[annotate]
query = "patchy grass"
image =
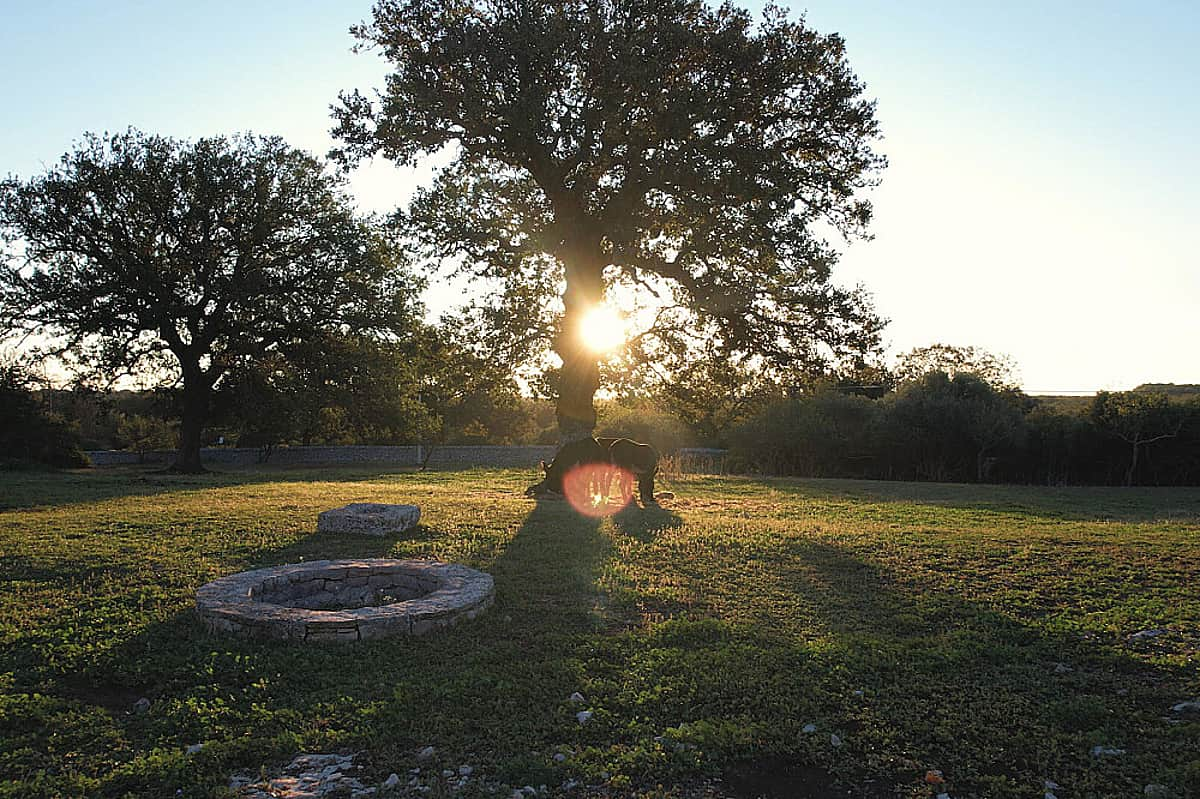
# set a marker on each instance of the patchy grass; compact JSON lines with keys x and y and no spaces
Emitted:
{"x":982,"y":631}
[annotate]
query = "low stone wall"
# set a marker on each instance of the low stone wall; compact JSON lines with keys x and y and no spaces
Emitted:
{"x":448,"y":456}
{"x":686,"y":461}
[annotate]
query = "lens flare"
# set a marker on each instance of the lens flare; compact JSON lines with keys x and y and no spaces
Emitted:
{"x":589,"y":488}
{"x":602,"y":329}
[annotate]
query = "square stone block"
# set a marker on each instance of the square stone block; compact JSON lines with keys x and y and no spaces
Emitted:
{"x":369,"y":518}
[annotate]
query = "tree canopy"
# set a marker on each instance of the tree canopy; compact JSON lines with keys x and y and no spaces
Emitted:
{"x":182,"y":259}
{"x":667,"y":147}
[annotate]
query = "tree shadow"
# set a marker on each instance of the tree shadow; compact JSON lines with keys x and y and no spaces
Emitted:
{"x":644,"y":523}
{"x":1051,"y":503}
{"x":948,"y":680}
{"x":256,"y":702}
{"x":979,"y":693}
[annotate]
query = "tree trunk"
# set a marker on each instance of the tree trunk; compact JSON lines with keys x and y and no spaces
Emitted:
{"x":1133,"y":462}
{"x":580,"y":375}
{"x":195,"y":411}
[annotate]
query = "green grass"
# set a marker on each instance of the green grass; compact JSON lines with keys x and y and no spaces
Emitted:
{"x":704,"y":635}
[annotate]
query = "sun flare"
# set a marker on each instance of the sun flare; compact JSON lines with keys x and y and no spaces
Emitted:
{"x":602,"y":329}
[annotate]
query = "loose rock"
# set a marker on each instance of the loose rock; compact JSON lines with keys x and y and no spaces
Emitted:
{"x":1143,"y":635}
{"x":465,"y":771}
{"x":1187,"y":707}
{"x":141,"y":706}
{"x":1157,"y":791}
{"x":1106,"y":751}
{"x":835,"y":740}
{"x":392,"y":781}
{"x":308,"y":776}
{"x":426,"y":753}
{"x":809,"y":728}
{"x":584,"y":716}
{"x":576,"y":698}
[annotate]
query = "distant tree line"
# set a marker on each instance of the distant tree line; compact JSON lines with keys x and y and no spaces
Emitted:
{"x":942,"y":425}
{"x":963,"y":429}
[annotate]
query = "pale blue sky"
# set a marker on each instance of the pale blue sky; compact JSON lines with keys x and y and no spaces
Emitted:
{"x":1042,"y":198}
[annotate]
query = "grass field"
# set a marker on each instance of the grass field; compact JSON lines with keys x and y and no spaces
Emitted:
{"x":982,"y":631}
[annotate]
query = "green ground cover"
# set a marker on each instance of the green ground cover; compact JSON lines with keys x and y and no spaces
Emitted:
{"x":979,"y":630}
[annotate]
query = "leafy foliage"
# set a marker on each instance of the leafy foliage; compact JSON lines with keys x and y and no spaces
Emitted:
{"x":145,"y":253}
{"x":28,"y":432}
{"x":998,"y":370}
{"x":672,"y":148}
{"x":961,"y":428}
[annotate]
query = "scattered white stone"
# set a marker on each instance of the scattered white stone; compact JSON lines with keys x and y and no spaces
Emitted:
{"x":391,"y":782}
{"x":583,"y":716}
{"x":858,"y":693}
{"x":835,"y":740}
{"x":1157,"y":791}
{"x":465,"y":771}
{"x":570,"y":785}
{"x":306,"y":777}
{"x":809,"y":728}
{"x":516,"y":794}
{"x":369,"y":518}
{"x":943,"y":796}
{"x":1143,"y":635}
{"x":1062,"y":668}
{"x":576,"y":698}
{"x":1106,"y":751}
{"x":560,"y":757}
{"x":1187,"y":707}
{"x":192,"y":749}
{"x":447,"y":772}
{"x":1049,"y":795}
{"x":1051,"y":785}
{"x":426,"y":753}
{"x":142,"y":705}
{"x":529,"y":790}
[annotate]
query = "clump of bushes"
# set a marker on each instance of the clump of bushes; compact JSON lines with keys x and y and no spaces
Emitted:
{"x":962,"y":428}
{"x":29,"y":434}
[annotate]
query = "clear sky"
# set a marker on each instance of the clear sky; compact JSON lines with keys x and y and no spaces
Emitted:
{"x":1043,"y":197}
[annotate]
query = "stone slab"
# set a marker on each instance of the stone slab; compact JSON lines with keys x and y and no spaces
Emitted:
{"x":369,"y":518}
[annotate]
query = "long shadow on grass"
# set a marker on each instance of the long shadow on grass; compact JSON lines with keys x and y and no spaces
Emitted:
{"x":492,"y":689}
{"x":1069,"y":503}
{"x":27,"y":491}
{"x":933,"y":680}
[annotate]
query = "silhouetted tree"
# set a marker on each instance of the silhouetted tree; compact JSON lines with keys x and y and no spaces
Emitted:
{"x":667,"y":146}
{"x":185,"y":258}
{"x":998,"y":370}
{"x":29,"y":433}
{"x":1139,"y":419}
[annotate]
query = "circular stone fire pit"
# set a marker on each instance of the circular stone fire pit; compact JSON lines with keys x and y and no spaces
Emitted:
{"x":344,"y":600}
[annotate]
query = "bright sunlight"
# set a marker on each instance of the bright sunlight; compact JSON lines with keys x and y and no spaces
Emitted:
{"x":602,"y":329}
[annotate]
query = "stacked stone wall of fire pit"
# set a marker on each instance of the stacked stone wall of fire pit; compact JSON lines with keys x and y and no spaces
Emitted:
{"x":344,"y":600}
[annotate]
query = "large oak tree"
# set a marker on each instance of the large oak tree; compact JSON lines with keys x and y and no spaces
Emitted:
{"x":183,"y":259}
{"x":665,"y":145}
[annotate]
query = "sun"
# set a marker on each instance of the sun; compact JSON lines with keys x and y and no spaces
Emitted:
{"x":602,"y":329}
